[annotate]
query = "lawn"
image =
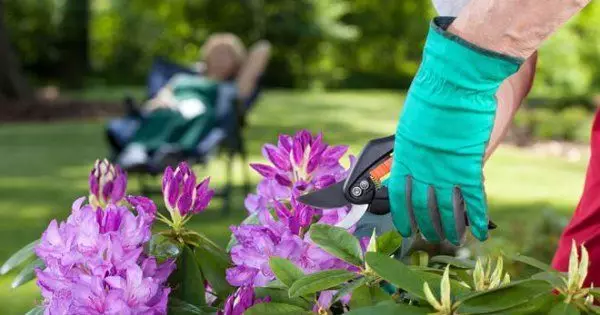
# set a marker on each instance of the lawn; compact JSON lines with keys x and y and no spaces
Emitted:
{"x":43,"y":168}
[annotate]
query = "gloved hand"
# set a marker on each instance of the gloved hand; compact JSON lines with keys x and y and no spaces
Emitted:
{"x":441,"y":138}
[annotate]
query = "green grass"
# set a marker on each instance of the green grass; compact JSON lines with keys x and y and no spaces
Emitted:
{"x":43,"y":168}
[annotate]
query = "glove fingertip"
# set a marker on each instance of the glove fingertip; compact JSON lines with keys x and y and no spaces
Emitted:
{"x":453,"y":241}
{"x":403,"y":226}
{"x":480,"y":234}
{"x":477,"y":213}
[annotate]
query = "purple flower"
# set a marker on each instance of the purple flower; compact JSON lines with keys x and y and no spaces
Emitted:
{"x":256,"y":244}
{"x":141,"y":294}
{"x":108,"y":184}
{"x":241,"y":300}
{"x":152,"y":269}
{"x":298,"y":217}
{"x":324,"y":301}
{"x":268,"y":191}
{"x":144,"y":206}
{"x":181,"y":193}
{"x":94,"y":262}
{"x":299,"y":164}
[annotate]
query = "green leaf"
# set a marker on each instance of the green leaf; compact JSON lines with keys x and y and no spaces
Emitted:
{"x":162,"y":248}
{"x":552,"y":277}
{"x":397,"y":273}
{"x":38,"y":310}
{"x":540,"y":304}
{"x":27,"y":274}
{"x":338,"y":242}
{"x":213,"y":268}
{"x":390,"y":308}
{"x":595,"y":309}
{"x":453,"y":261}
{"x":434,"y":280}
{"x":179,"y":307}
{"x":320,"y":281}
{"x":276,"y":284}
{"x":187,"y":281}
{"x":19,"y":257}
{"x":389,"y":242}
{"x":531,"y":262}
{"x":285,"y":270}
{"x":366,"y":295}
{"x":512,"y":295}
{"x":200,"y":240}
{"x":275,"y":309}
{"x":419,"y":258}
{"x":348,"y":288}
{"x":361,"y":297}
{"x":464,"y":276}
{"x":564,"y":309}
{"x":282,"y":296}
{"x":595,"y":292}
{"x":250,"y":220}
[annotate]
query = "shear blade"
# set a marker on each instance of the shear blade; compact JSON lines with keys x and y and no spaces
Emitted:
{"x":326,"y":198}
{"x":355,"y":214}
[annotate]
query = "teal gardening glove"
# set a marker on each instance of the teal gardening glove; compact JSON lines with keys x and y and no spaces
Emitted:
{"x":441,"y":138}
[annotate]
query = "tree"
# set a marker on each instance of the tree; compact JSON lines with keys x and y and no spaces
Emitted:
{"x":13,"y":85}
{"x":74,"y":50}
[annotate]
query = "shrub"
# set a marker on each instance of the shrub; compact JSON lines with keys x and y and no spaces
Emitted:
{"x":285,"y":258}
{"x":569,"y":124}
{"x":571,"y":121}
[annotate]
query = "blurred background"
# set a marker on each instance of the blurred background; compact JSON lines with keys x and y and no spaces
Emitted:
{"x":337,"y":66}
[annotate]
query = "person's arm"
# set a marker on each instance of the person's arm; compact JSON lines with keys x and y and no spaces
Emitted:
{"x":164,"y":98}
{"x":255,"y":65}
{"x":449,"y":113}
{"x":510,"y":95}
{"x":513,"y":27}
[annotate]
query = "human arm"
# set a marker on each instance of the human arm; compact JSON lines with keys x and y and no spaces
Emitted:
{"x":255,"y":65}
{"x":510,"y":96}
{"x":450,"y":112}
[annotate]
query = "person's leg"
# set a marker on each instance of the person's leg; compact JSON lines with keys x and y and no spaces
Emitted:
{"x":188,"y":135}
{"x":584,"y":227}
{"x":153,"y":132}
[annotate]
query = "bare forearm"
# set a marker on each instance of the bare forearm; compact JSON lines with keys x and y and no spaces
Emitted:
{"x":513,"y":27}
{"x":510,"y":96}
{"x":255,"y":65}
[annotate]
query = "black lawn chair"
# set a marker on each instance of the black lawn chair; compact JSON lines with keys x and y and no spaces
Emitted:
{"x":119,"y":131}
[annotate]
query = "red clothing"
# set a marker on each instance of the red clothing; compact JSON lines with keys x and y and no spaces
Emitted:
{"x":585,"y":224}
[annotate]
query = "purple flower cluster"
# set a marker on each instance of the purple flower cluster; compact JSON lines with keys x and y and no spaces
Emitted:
{"x":256,"y":244}
{"x":94,"y":261}
{"x":108,"y":184}
{"x":299,"y":164}
{"x":95,"y":265}
{"x":241,"y":300}
{"x":182,"y":195}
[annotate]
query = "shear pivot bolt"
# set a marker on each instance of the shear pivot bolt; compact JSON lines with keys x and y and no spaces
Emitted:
{"x":356,"y":191}
{"x":364,"y":184}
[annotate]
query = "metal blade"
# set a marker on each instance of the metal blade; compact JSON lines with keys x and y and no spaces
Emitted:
{"x":326,"y":198}
{"x":356,"y":212}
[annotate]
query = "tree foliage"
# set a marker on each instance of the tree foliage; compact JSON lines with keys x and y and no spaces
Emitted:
{"x":324,"y":43}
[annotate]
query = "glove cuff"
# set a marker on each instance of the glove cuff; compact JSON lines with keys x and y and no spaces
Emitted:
{"x":463,"y":64}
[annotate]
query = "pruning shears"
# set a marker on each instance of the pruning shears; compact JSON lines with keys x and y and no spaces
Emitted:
{"x":364,"y":191}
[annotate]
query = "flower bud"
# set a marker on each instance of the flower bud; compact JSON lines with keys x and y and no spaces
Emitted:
{"x":181,"y":194}
{"x":108,"y":184}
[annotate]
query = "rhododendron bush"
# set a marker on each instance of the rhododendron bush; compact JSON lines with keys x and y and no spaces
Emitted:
{"x":121,"y":254}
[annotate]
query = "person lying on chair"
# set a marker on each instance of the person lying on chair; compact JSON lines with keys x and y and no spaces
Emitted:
{"x":185,"y":112}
